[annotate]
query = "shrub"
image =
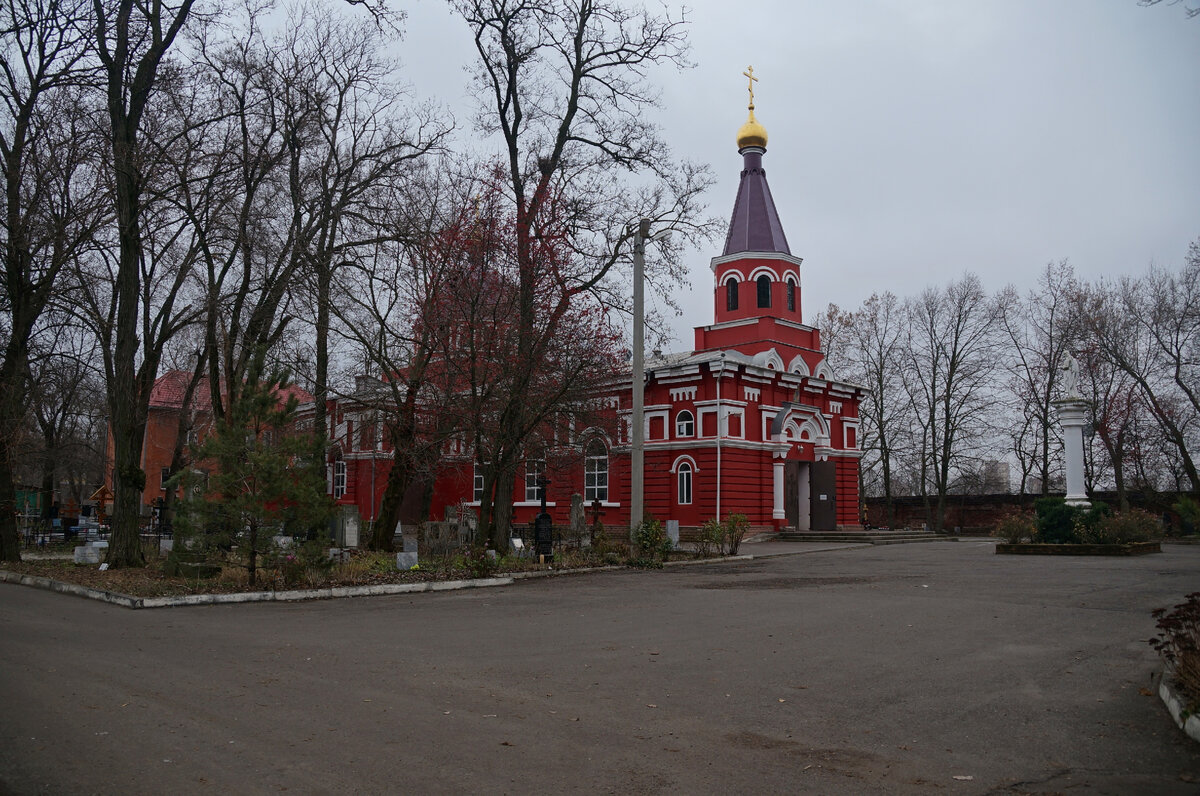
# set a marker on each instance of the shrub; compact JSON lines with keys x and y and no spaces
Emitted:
{"x":1015,"y":526}
{"x":1060,"y":523}
{"x":1134,"y":525}
{"x":1189,"y":514}
{"x":710,"y":539}
{"x":1178,"y":642}
{"x":478,"y":562}
{"x":1055,"y":521}
{"x":736,"y":526}
{"x":652,"y":540}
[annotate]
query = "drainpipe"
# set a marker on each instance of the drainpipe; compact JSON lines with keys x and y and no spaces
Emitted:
{"x":720,"y":373}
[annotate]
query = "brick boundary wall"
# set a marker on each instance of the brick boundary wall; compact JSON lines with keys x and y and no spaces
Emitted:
{"x":978,"y":514}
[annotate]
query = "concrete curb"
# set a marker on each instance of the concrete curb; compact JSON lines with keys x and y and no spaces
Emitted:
{"x":126,"y":601}
{"x":38,"y":582}
{"x":832,"y":546}
{"x":1188,"y":722}
{"x":551,"y":573}
{"x":694,"y":561}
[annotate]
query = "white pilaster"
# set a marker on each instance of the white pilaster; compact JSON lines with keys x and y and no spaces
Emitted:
{"x":778,"y":513}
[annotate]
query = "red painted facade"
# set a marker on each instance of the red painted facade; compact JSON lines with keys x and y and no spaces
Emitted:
{"x":751,"y":421}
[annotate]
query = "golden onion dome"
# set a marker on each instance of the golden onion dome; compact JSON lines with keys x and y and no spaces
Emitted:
{"x":751,"y":133}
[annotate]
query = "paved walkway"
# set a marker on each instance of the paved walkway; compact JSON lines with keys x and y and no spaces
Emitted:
{"x":910,"y":669}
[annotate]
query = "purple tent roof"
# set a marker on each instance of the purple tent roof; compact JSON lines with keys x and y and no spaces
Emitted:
{"x":755,"y":224}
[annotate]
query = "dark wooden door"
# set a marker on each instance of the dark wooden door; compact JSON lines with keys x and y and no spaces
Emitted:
{"x":824,"y":496}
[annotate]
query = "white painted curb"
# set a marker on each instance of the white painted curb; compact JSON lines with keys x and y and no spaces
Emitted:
{"x":1190,"y":723}
{"x":248,"y":597}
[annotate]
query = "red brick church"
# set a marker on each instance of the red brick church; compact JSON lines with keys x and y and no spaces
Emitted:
{"x":752,"y":421}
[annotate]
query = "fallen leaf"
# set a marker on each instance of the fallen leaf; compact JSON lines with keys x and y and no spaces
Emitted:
{"x":963,"y":777}
{"x":783,"y":700}
{"x":1145,"y":692}
{"x":652,"y":706}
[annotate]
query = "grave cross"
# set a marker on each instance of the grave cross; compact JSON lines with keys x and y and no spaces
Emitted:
{"x":596,"y":511}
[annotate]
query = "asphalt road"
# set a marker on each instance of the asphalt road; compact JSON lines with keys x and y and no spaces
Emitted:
{"x":921,"y":668}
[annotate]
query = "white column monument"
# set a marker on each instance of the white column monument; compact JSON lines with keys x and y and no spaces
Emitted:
{"x":1073,"y":415}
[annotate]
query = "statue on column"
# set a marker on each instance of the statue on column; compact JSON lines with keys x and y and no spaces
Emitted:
{"x":1070,"y":368}
{"x":1073,"y":415}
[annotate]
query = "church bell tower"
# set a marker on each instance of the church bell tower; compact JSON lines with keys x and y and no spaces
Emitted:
{"x":756,"y":275}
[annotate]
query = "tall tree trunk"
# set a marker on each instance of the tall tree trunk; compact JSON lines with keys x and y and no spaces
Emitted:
{"x":10,"y":537}
{"x":389,"y":508}
{"x":321,"y":379}
{"x":12,"y":409}
{"x":502,"y":526}
{"x":128,"y":423}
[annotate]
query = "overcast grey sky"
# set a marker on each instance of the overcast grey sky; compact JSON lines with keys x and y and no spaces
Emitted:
{"x":913,"y":141}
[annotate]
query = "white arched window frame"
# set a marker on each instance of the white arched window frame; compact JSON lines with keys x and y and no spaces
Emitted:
{"x":685,"y":424}
{"x":595,"y":472}
{"x":683,"y":482}
{"x":764,"y":270}
{"x":798,"y":365}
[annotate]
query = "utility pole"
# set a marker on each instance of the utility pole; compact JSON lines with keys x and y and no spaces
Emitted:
{"x":637,"y":456}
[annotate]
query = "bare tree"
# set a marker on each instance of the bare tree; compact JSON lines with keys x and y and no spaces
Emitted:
{"x":351,"y":139}
{"x":1149,"y":328}
{"x":1188,"y":11}
{"x":565,"y":86}
{"x":132,"y":40}
{"x":388,"y":309}
{"x":948,"y":379}
{"x":1038,"y":328}
{"x":866,"y":346}
{"x":64,"y":381}
{"x":49,"y":205}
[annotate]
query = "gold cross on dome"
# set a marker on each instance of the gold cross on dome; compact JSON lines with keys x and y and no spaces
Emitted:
{"x":750,"y":86}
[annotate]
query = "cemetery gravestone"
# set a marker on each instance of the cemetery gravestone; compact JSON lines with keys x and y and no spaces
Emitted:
{"x":578,"y":521}
{"x":407,"y":558}
{"x":543,"y":536}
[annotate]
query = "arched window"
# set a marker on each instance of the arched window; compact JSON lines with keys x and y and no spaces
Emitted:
{"x":791,"y":294}
{"x":764,"y":292}
{"x":685,"y":424}
{"x":683,"y":477}
{"x":731,"y":293}
{"x":595,"y":472}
